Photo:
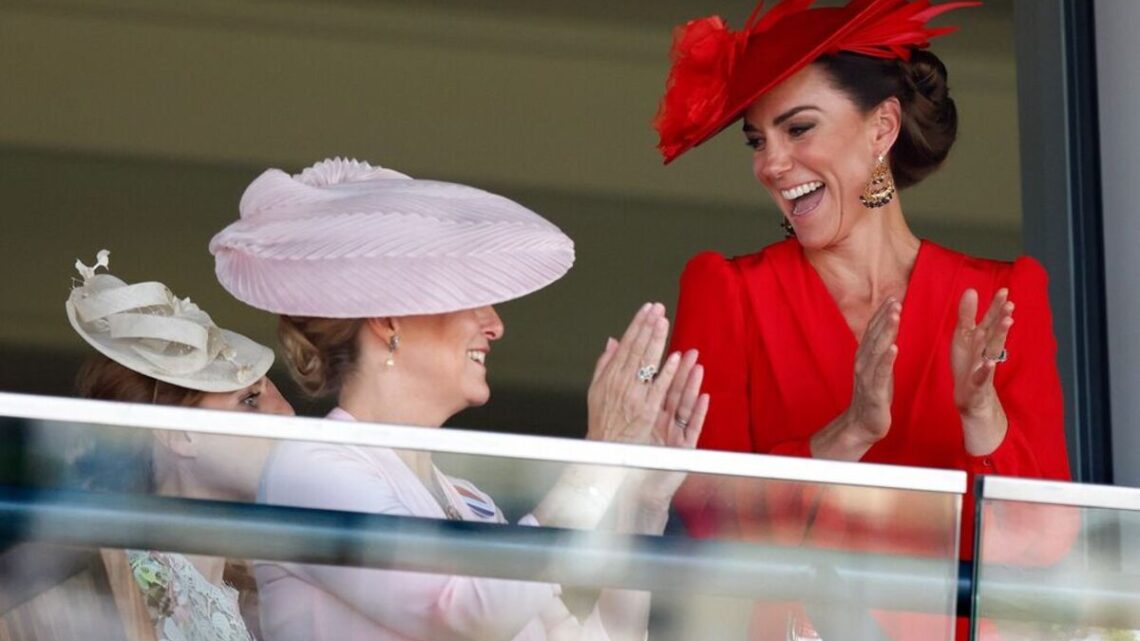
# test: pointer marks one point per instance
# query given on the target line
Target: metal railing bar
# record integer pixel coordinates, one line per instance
(1007, 488)
(538, 448)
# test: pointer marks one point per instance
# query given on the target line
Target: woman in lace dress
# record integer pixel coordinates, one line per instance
(167, 351)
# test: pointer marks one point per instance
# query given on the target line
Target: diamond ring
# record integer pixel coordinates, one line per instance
(1002, 357)
(646, 374)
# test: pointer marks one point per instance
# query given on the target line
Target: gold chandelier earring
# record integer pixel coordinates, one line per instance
(880, 190)
(789, 231)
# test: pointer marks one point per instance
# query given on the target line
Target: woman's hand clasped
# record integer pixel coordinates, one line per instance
(627, 392)
(682, 416)
(679, 424)
(629, 401)
(975, 352)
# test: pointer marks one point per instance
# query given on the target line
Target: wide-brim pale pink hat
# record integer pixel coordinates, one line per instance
(344, 239)
(146, 328)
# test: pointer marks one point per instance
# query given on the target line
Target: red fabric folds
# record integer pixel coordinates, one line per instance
(779, 363)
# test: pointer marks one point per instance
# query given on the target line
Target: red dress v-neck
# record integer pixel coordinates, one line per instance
(779, 366)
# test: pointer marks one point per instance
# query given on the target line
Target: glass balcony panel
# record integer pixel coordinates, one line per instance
(1057, 561)
(756, 547)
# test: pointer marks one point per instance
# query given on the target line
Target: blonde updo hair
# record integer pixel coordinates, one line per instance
(320, 352)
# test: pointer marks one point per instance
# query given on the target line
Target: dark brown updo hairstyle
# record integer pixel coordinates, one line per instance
(320, 352)
(929, 118)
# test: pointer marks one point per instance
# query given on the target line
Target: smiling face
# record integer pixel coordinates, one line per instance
(814, 151)
(445, 356)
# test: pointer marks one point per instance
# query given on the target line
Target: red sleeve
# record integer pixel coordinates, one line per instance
(1029, 386)
(710, 318)
(796, 447)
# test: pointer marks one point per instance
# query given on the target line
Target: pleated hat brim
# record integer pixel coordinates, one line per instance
(381, 244)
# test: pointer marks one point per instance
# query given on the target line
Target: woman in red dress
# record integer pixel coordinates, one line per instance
(853, 339)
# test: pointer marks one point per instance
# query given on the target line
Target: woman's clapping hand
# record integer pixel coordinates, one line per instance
(679, 424)
(625, 397)
(975, 352)
(868, 419)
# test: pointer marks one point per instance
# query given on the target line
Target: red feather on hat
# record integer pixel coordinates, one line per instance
(705, 53)
(897, 28)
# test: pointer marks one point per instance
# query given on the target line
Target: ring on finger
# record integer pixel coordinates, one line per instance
(681, 423)
(646, 373)
(1002, 357)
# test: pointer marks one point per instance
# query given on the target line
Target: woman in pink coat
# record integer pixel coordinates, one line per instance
(385, 287)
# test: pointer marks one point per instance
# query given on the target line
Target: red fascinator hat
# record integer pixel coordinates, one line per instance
(718, 72)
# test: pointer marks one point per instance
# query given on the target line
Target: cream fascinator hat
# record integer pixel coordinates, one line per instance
(146, 328)
(344, 239)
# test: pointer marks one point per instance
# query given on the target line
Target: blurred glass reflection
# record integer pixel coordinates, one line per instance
(1056, 571)
(790, 559)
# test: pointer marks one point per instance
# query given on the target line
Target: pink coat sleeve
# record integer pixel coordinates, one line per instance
(415, 605)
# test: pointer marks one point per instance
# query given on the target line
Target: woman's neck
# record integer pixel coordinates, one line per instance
(873, 262)
(178, 481)
(383, 396)
(380, 397)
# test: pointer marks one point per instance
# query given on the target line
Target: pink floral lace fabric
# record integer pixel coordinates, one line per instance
(183, 605)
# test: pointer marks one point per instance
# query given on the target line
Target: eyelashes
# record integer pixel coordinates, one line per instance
(251, 400)
(794, 131)
(798, 130)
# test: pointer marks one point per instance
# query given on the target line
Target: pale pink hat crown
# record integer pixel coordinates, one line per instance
(344, 239)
